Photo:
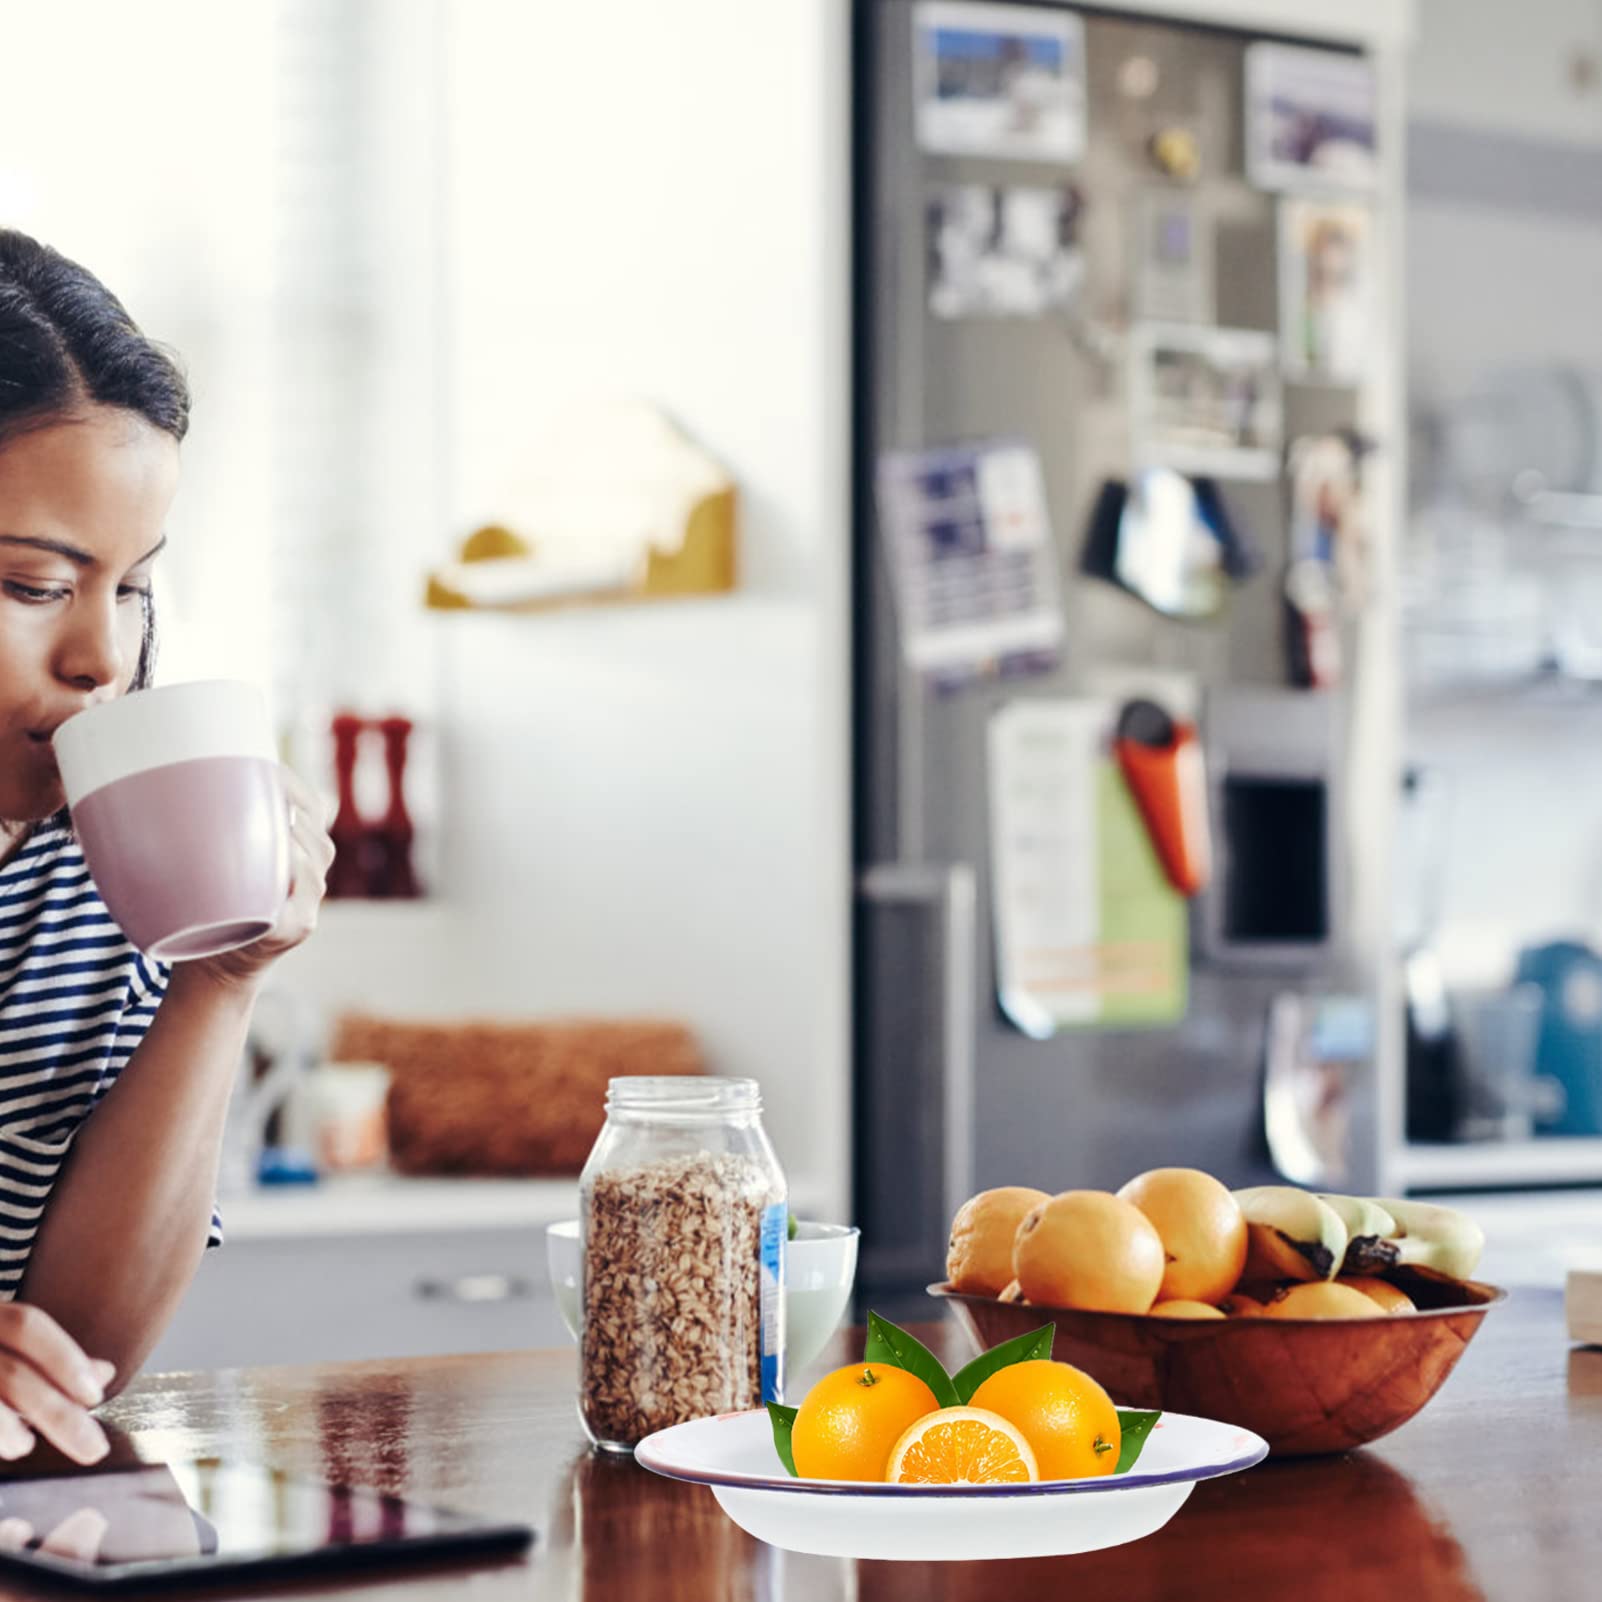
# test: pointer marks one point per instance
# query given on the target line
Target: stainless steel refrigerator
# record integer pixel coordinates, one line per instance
(951, 1094)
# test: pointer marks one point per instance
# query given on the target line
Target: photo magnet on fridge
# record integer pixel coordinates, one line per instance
(1170, 542)
(1310, 119)
(1173, 257)
(1325, 290)
(999, 80)
(1003, 250)
(1205, 400)
(972, 563)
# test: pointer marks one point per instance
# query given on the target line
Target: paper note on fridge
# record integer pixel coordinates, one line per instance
(971, 558)
(1089, 933)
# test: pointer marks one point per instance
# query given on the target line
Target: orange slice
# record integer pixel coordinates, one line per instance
(961, 1446)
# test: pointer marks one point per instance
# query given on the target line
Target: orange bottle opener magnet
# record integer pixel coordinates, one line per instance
(1161, 760)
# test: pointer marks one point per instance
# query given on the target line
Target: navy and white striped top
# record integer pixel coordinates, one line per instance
(75, 1001)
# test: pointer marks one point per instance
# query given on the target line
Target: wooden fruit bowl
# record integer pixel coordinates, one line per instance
(1305, 1385)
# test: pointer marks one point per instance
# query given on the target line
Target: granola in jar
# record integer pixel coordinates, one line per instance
(684, 1222)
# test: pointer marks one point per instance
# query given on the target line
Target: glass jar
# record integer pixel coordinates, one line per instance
(684, 1218)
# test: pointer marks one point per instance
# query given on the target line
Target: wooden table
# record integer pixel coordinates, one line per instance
(1494, 1491)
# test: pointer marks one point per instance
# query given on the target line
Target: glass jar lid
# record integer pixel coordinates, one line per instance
(681, 1096)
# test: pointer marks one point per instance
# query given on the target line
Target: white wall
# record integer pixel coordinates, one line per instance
(645, 809)
(1519, 836)
(1505, 65)
(1510, 283)
(1494, 285)
(1486, 288)
(189, 249)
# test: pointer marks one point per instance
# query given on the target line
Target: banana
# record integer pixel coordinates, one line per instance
(1367, 1225)
(1290, 1234)
(1428, 1236)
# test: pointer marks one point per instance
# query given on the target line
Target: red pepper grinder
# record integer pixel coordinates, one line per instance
(396, 829)
(347, 874)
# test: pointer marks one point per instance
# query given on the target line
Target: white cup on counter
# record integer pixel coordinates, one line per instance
(337, 1112)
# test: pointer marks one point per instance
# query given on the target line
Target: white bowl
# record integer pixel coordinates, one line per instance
(564, 1262)
(820, 1266)
(734, 1455)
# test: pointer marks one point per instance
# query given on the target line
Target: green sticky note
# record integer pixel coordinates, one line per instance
(1144, 922)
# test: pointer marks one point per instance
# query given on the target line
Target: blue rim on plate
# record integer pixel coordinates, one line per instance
(1254, 1450)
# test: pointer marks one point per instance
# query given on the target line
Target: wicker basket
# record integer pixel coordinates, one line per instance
(503, 1098)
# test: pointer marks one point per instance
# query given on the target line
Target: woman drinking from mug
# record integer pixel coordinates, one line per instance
(114, 1073)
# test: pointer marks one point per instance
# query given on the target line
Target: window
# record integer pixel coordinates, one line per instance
(259, 183)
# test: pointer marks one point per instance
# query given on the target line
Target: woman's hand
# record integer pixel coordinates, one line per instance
(47, 1385)
(310, 853)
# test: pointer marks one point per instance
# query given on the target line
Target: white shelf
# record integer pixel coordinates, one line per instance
(391, 1204)
(1561, 1159)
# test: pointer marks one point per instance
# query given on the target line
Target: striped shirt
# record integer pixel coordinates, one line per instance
(76, 998)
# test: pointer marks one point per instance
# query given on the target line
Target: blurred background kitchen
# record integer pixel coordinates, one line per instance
(1029, 578)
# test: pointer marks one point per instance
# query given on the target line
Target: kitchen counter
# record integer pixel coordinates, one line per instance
(1489, 1493)
(1534, 1237)
(364, 1263)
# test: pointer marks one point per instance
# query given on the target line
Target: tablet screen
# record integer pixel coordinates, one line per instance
(155, 1520)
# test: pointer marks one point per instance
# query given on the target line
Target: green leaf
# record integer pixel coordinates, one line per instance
(895, 1348)
(783, 1417)
(791, 1234)
(1136, 1427)
(1020, 1349)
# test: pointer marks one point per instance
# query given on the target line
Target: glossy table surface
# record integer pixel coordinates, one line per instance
(1494, 1490)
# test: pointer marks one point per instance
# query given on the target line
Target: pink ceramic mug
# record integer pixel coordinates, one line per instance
(177, 801)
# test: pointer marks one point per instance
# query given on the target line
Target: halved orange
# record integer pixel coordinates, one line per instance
(962, 1446)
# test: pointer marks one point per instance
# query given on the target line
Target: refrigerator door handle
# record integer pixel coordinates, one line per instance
(948, 890)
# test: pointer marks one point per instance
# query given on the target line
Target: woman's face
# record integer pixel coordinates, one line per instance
(82, 505)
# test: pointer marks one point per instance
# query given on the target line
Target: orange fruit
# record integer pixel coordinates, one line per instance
(1391, 1298)
(1201, 1228)
(961, 1446)
(1064, 1414)
(1089, 1249)
(979, 1257)
(1325, 1299)
(1239, 1305)
(845, 1428)
(1182, 1308)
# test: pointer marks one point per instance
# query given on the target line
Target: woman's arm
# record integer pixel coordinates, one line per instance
(126, 1223)
(127, 1219)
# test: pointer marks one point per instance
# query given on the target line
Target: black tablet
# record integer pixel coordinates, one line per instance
(165, 1523)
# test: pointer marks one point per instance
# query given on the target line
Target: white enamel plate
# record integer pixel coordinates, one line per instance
(734, 1454)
